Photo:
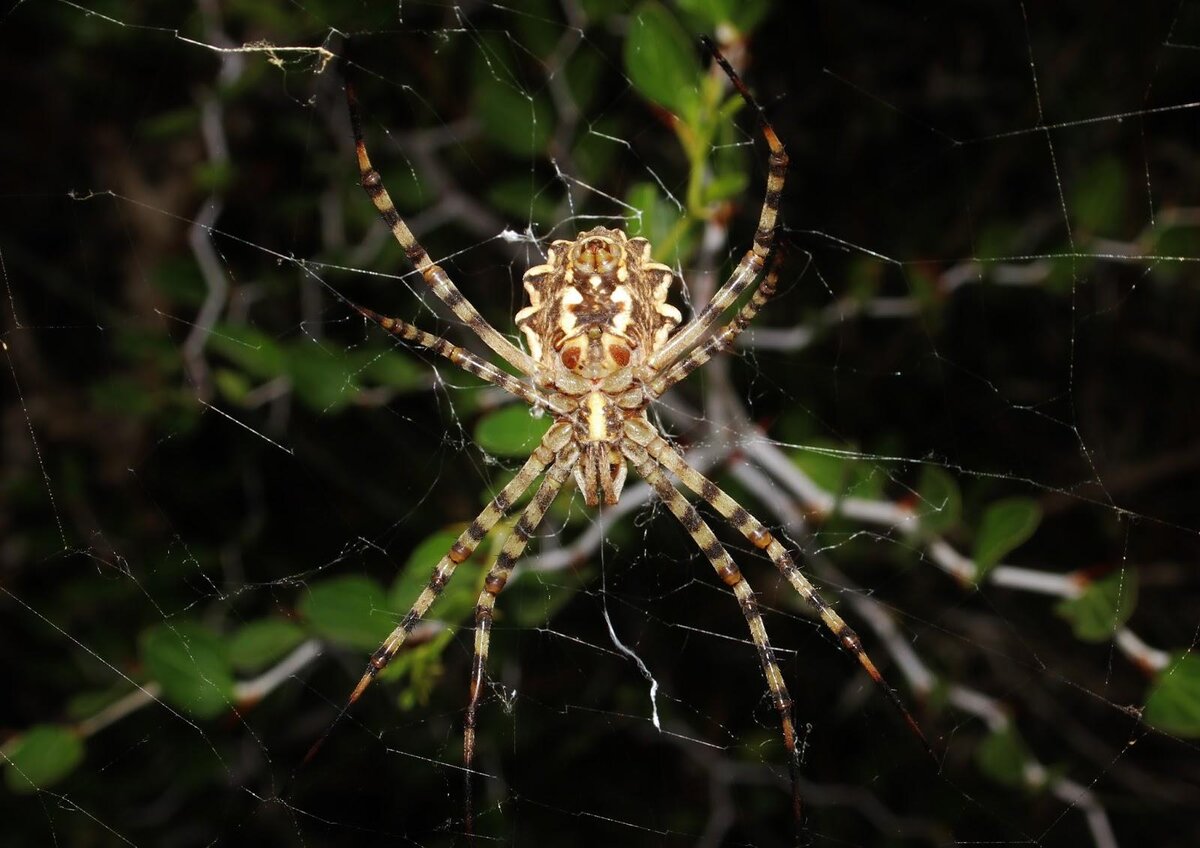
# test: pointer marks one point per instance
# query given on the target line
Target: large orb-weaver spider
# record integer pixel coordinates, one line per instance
(603, 345)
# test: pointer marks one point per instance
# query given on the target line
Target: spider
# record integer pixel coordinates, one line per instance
(604, 343)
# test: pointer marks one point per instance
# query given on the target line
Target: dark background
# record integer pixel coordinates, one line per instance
(920, 143)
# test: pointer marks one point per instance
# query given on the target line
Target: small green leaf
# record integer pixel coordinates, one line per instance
(233, 385)
(661, 60)
(511, 431)
(534, 600)
(1105, 605)
(827, 470)
(725, 185)
(836, 470)
(743, 14)
(189, 662)
(940, 507)
(351, 611)
(260, 643)
(1098, 202)
(520, 123)
(517, 197)
(396, 371)
(1002, 756)
(1173, 704)
(253, 351)
(323, 381)
(458, 596)
(1006, 524)
(40, 757)
(418, 670)
(213, 176)
(662, 222)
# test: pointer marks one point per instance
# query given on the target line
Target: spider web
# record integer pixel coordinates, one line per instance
(970, 409)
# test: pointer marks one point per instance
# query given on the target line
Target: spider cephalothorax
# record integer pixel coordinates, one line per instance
(597, 311)
(602, 346)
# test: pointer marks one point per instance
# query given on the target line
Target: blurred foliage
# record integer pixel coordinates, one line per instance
(184, 554)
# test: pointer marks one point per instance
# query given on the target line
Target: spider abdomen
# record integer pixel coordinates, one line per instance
(597, 305)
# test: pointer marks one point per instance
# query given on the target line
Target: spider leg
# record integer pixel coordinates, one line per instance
(433, 274)
(464, 359)
(758, 535)
(731, 575)
(756, 258)
(723, 339)
(511, 551)
(554, 440)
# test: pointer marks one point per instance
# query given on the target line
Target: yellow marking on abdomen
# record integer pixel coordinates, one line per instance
(597, 417)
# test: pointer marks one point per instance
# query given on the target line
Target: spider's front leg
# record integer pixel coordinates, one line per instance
(755, 260)
(434, 275)
(721, 340)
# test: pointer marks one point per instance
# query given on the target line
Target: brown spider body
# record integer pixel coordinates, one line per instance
(597, 310)
(603, 344)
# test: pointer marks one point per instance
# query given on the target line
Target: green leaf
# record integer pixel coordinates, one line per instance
(459, 595)
(662, 222)
(1002, 756)
(323, 381)
(189, 662)
(520, 123)
(1006, 524)
(511, 431)
(418, 670)
(1104, 606)
(40, 757)
(832, 467)
(351, 611)
(1173, 704)
(725, 185)
(1098, 201)
(260, 643)
(233, 385)
(533, 600)
(743, 14)
(253, 351)
(396, 371)
(517, 197)
(940, 507)
(661, 60)
(827, 470)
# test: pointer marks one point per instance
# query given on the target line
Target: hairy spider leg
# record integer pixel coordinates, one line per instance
(433, 274)
(463, 358)
(501, 570)
(758, 535)
(554, 440)
(732, 577)
(723, 339)
(755, 259)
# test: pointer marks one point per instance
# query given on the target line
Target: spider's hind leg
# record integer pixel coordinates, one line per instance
(731, 576)
(493, 584)
(758, 535)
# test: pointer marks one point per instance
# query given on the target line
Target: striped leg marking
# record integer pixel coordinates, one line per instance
(758, 535)
(434, 275)
(501, 570)
(756, 258)
(554, 440)
(723, 339)
(731, 575)
(464, 359)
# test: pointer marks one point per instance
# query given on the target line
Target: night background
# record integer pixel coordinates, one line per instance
(971, 411)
